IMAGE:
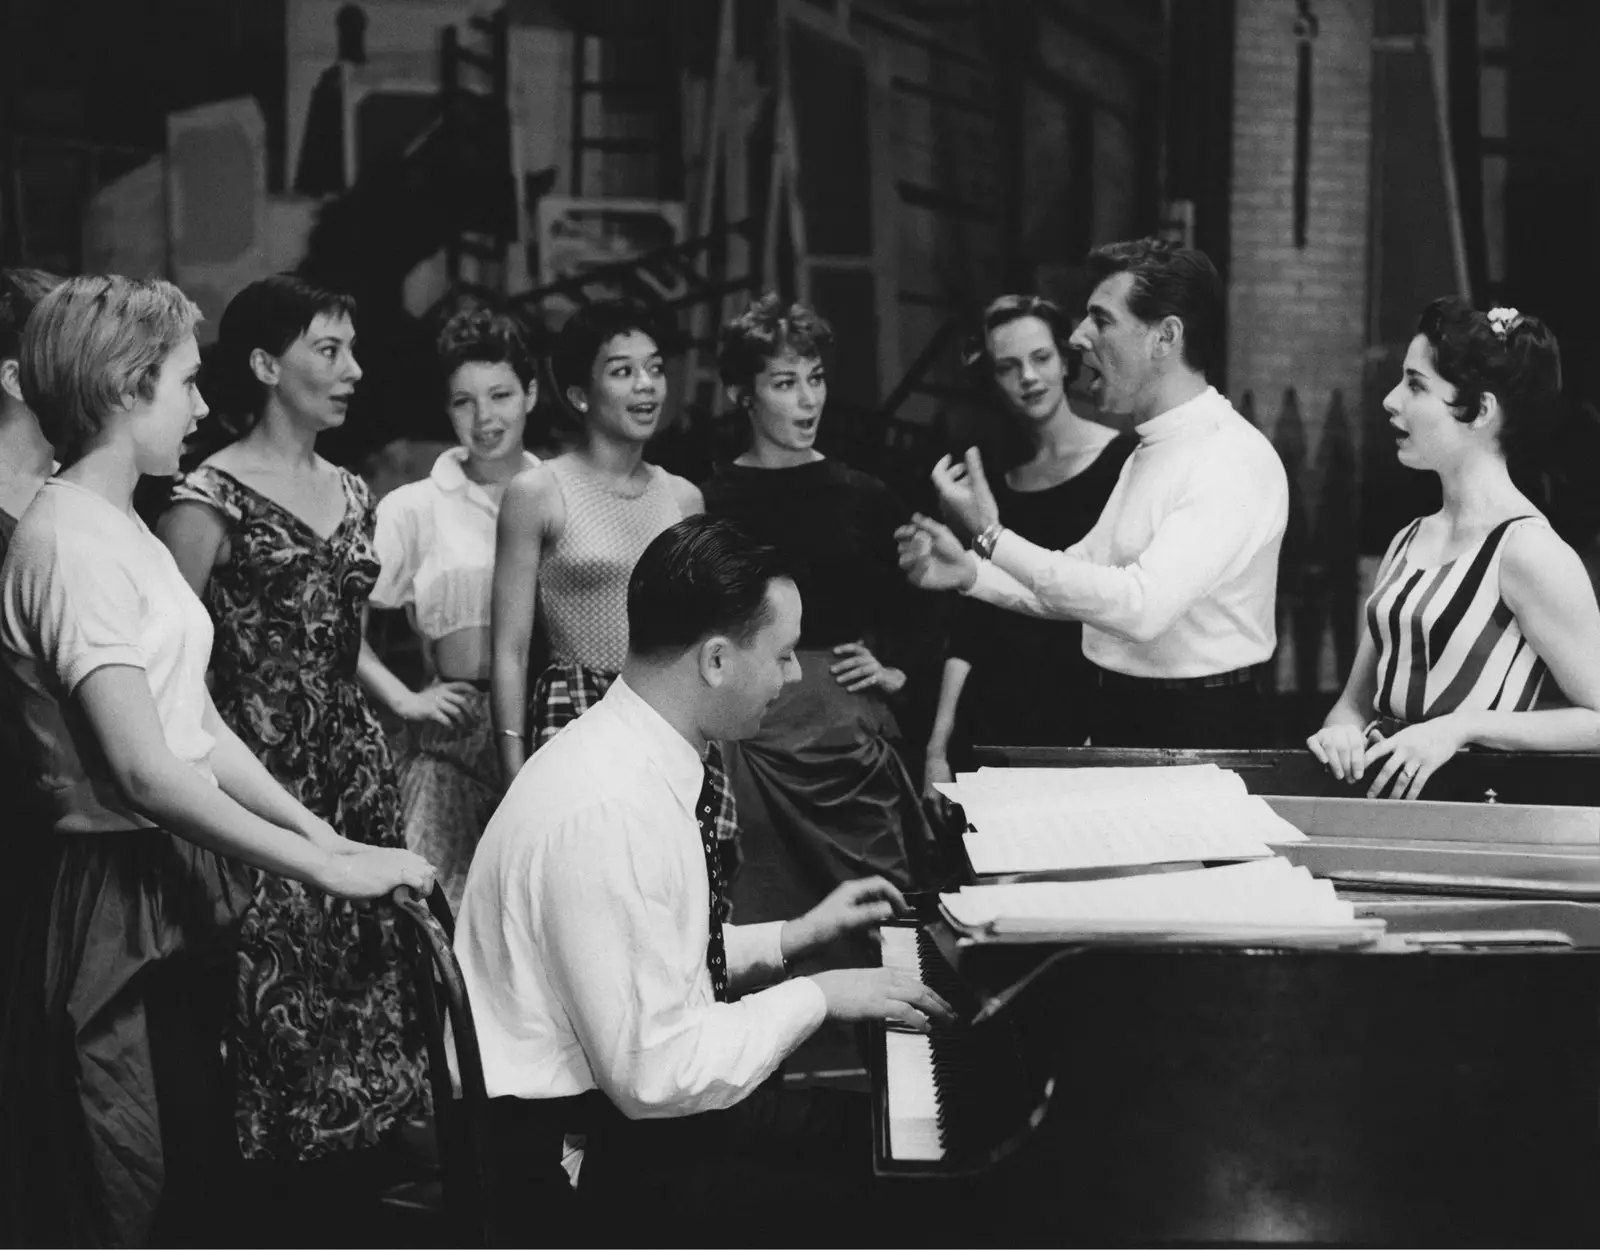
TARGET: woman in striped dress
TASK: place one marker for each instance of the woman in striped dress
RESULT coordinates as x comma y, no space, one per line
1483,628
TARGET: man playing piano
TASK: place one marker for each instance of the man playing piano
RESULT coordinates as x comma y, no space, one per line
610,998
1176,583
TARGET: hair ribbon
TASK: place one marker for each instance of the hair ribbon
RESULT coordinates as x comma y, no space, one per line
1501,320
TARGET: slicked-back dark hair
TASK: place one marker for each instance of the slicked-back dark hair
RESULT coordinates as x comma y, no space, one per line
481,336
1170,281
1521,370
703,576
763,332
20,290
589,329
270,313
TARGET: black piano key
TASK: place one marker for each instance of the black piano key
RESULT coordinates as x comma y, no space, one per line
977,1072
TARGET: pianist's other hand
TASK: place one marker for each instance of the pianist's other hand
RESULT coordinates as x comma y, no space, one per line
888,995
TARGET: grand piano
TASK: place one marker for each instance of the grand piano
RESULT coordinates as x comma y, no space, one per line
1442,1090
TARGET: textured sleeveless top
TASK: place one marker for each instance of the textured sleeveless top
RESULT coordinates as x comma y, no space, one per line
1446,639
583,576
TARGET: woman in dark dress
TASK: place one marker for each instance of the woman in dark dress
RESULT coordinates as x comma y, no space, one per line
821,790
279,545
1009,678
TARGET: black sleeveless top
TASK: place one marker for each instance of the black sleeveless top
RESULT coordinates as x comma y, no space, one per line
1030,683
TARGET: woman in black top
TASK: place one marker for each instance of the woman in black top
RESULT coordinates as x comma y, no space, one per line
822,793
1009,678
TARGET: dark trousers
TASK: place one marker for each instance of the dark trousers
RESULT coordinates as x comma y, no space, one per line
787,1166
1132,714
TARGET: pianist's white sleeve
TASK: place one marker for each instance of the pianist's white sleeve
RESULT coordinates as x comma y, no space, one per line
755,953
623,923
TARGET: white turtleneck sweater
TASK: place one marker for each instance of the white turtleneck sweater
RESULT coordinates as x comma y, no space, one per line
1178,577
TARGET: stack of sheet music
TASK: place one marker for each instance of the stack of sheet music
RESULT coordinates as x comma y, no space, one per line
1044,820
1269,901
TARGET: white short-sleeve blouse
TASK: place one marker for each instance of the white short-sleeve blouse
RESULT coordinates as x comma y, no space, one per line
86,585
436,539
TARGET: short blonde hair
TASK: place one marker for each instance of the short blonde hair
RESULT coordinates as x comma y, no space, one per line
92,341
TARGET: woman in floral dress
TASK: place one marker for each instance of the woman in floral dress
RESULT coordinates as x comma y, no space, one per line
279,545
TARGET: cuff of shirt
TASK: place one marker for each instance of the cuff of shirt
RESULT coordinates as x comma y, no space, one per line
803,1006
755,952
989,581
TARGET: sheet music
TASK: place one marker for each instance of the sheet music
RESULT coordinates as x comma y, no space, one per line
1264,896
1054,819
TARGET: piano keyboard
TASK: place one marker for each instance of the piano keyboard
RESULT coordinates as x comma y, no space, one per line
949,1096
908,1063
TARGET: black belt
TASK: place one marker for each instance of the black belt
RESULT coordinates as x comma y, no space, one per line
1107,680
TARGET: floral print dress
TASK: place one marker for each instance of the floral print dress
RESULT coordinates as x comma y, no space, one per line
328,1048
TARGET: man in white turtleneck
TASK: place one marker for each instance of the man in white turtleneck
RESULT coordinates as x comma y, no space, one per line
1176,584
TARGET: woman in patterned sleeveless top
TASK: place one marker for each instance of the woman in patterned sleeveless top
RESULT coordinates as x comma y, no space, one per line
1477,604
571,529
278,543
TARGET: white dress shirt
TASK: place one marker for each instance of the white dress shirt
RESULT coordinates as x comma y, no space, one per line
584,926
1178,577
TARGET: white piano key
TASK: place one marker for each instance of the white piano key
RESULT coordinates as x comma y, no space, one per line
913,1099
899,949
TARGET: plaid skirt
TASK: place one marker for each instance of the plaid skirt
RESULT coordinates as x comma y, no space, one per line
564,692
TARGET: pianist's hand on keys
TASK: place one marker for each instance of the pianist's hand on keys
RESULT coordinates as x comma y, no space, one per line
889,995
854,905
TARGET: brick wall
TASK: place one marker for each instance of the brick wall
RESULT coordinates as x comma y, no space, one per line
1297,316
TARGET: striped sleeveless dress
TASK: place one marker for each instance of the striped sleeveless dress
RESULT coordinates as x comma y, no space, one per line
1446,639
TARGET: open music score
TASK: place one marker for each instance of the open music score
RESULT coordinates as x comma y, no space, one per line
1267,900
1043,820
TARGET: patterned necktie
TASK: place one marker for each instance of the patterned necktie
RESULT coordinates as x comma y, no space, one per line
715,814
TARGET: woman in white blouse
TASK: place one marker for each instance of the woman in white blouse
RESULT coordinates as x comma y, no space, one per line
436,540
112,1058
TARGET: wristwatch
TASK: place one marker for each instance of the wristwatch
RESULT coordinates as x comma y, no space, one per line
984,543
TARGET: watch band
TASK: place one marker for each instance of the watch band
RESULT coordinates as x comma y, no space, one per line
984,543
